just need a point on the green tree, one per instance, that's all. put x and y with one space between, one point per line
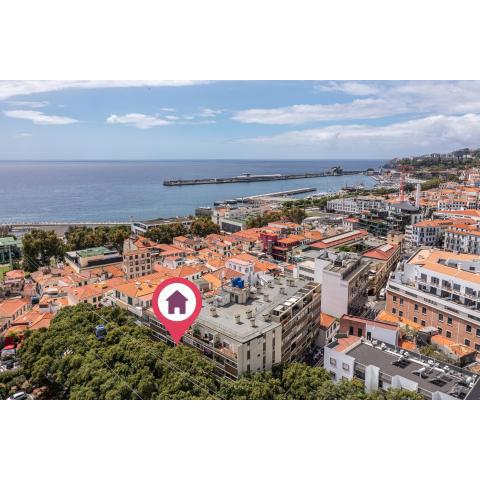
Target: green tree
166 233
203 226
81 237
39 247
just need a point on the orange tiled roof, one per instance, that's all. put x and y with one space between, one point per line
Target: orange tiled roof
11 306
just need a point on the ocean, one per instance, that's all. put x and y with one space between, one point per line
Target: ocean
63 191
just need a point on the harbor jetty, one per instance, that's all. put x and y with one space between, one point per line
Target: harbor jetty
248 178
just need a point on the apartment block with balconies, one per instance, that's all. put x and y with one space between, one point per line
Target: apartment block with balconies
439 289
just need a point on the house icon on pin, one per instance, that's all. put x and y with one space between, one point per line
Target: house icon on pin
177 300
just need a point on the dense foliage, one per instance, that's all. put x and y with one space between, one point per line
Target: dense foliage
166 233
67 361
203 226
290 213
39 247
78 238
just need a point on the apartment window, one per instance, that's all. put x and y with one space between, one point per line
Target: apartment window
415 307
467 342
423 323
449 320
440 330
400 313
477 333
468 328
424 311
346 366
401 301
440 317
449 334
394 310
395 299
477 347
333 362
415 319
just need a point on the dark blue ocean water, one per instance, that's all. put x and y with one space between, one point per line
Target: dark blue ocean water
119 190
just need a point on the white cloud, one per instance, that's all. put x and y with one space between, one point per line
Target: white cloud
378 100
24 135
39 104
138 120
209 112
364 108
9 88
357 89
433 133
168 109
39 118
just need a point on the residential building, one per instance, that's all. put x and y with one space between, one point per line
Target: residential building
356 205
383 260
427 232
382 367
439 289
242 328
463 238
137 261
90 258
10 310
344 280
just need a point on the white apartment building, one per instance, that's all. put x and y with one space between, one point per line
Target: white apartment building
356 204
344 280
382 367
427 232
242 330
463 240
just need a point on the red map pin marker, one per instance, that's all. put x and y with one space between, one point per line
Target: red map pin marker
177 303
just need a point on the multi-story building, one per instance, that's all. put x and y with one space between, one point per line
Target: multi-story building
344 280
142 227
137 261
10 249
242 329
439 289
427 232
356 205
383 260
463 239
382 367
90 258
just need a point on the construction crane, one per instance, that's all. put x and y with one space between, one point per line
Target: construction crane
403 173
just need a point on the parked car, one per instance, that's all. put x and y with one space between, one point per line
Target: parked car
19 396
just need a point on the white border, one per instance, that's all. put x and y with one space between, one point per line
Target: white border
247 39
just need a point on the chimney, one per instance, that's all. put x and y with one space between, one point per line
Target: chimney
417 195
265 297
282 290
213 311
249 313
237 319
252 322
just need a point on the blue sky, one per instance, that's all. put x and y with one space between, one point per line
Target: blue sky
67 120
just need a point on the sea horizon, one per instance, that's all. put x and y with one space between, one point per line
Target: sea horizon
119 190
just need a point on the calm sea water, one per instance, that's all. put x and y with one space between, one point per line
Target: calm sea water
119 190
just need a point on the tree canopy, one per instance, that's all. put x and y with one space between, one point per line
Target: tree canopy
39 247
67 361
80 237
166 233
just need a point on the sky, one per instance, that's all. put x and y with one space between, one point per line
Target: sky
147 120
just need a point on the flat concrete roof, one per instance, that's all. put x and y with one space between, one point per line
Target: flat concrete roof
243 331
369 355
